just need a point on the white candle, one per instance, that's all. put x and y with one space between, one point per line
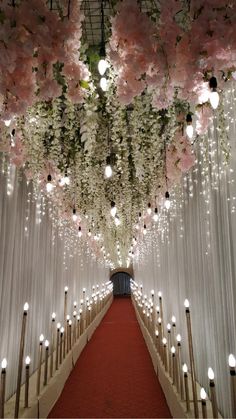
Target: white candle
211 377
3 387
203 396
27 367
185 371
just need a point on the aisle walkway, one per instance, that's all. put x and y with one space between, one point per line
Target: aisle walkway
114 376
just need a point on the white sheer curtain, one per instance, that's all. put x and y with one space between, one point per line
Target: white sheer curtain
35 266
195 257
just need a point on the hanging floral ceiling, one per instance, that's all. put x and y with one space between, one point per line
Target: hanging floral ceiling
107 159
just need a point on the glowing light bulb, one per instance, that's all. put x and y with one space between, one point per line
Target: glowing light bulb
152 293
104 84
53 316
164 341
189 128
214 99
58 326
102 66
66 289
173 350
89 233
78 317
26 307
108 171
149 210
41 338
159 320
189 131
211 374
68 317
62 330
214 96
186 303
178 338
168 327
74 215
4 363
232 361
27 360
173 319
159 294
84 289
157 333
70 322
74 313
185 368
117 221
203 394
75 304
167 200
155 216
144 229
113 209
79 232
7 122
49 185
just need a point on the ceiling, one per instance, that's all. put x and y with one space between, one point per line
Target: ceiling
92 11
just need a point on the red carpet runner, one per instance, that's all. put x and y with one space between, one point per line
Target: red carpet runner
114 376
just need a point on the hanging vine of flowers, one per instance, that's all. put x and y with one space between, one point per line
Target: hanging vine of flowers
58 128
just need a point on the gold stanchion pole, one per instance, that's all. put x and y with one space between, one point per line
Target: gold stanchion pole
164 341
46 363
180 385
191 357
3 387
57 345
53 343
211 377
41 339
232 365
27 370
185 371
20 361
203 396
65 328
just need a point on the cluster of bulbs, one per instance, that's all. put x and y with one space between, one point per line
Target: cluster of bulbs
102 68
64 181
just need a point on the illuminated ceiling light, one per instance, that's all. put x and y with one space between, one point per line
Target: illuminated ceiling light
102 66
149 210
117 220
155 216
103 84
214 95
49 185
108 168
167 200
74 215
79 232
113 209
189 128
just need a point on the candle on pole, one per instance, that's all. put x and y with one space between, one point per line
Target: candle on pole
41 339
74 326
203 396
214 406
185 371
164 341
20 360
53 343
232 370
180 385
191 357
78 326
70 334
157 340
161 309
46 363
3 387
169 346
27 370
65 314
173 320
174 375
67 333
57 345
61 343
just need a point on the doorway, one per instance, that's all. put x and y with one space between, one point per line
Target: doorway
121 284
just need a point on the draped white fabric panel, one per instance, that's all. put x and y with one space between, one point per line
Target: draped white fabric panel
195 259
35 267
